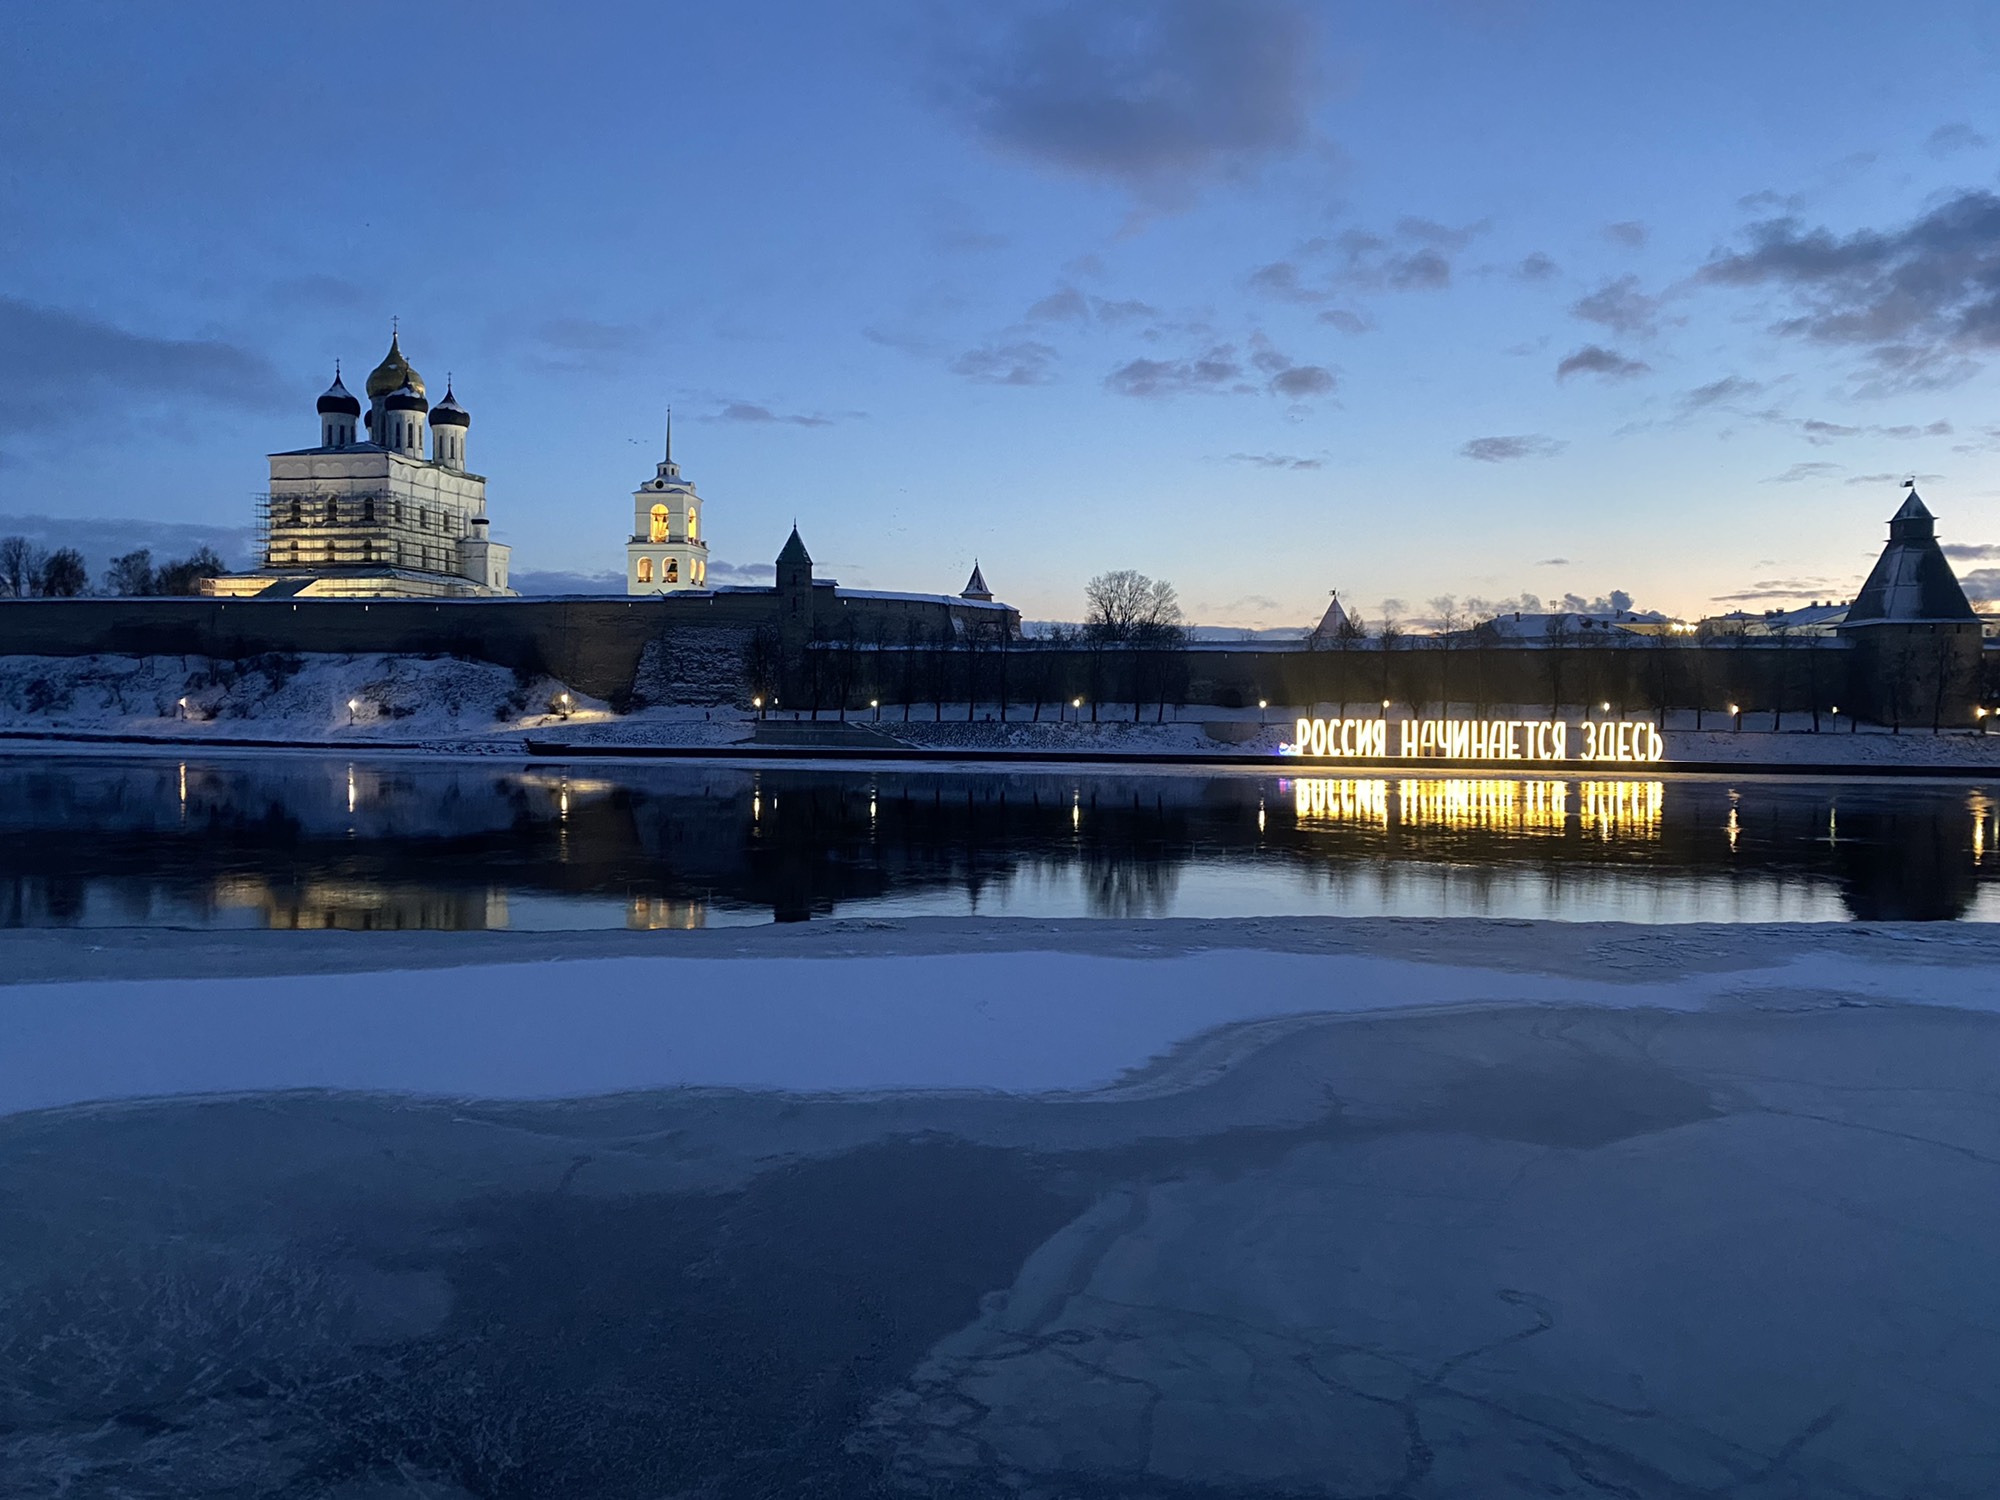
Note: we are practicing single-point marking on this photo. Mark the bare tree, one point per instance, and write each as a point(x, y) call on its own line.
point(19, 562)
point(1124, 606)
point(131, 576)
point(184, 575)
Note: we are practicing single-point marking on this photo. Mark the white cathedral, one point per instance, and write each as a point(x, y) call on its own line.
point(666, 553)
point(365, 514)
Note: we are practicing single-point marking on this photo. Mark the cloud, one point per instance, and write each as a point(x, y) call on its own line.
point(1717, 392)
point(1500, 450)
point(1275, 461)
point(551, 581)
point(1535, 267)
point(1594, 359)
point(1216, 370)
point(1981, 585)
point(1121, 310)
point(750, 411)
point(742, 572)
point(1301, 381)
point(1219, 370)
point(1620, 306)
point(1021, 363)
point(1896, 478)
point(586, 343)
point(1153, 96)
point(1065, 306)
point(1554, 562)
point(1971, 551)
point(61, 368)
point(1629, 233)
point(1952, 138)
point(1921, 300)
point(1416, 256)
point(1800, 473)
point(100, 539)
point(1783, 588)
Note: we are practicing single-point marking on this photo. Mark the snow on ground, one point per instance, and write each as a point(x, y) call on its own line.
point(327, 698)
point(1019, 1019)
point(449, 703)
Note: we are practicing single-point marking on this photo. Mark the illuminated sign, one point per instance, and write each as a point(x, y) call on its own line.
point(1476, 739)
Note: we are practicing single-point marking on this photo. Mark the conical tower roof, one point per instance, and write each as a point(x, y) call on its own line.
point(1330, 622)
point(975, 586)
point(794, 550)
point(1912, 581)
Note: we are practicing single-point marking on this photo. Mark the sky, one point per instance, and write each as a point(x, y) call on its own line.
point(1469, 298)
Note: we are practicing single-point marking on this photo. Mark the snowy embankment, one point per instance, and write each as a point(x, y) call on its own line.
point(858, 1007)
point(449, 703)
point(297, 698)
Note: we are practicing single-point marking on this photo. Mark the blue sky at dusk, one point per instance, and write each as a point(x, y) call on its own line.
point(1262, 297)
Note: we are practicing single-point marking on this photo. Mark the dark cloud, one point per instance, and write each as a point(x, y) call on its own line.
point(1981, 585)
point(750, 411)
point(1276, 461)
point(1125, 310)
point(1416, 256)
point(1554, 562)
point(1301, 381)
point(1156, 96)
point(1783, 588)
point(1921, 300)
point(540, 581)
point(1216, 370)
point(1950, 139)
point(1219, 370)
point(1896, 479)
point(1620, 306)
point(1536, 267)
point(61, 368)
point(1021, 363)
point(1065, 306)
point(1971, 551)
point(100, 539)
point(1594, 359)
point(1345, 321)
point(1820, 433)
point(1720, 392)
point(1500, 450)
point(1629, 233)
point(1800, 473)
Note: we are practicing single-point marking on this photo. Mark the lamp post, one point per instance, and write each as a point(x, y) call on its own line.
point(353, 708)
point(1077, 704)
point(184, 708)
point(876, 704)
point(758, 704)
point(563, 700)
point(1262, 704)
point(1979, 715)
point(1736, 713)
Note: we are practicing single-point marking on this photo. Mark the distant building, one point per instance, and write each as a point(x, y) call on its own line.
point(1815, 619)
point(1332, 629)
point(666, 553)
point(365, 514)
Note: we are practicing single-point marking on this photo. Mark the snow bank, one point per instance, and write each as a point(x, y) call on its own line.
point(1027, 1021)
point(313, 697)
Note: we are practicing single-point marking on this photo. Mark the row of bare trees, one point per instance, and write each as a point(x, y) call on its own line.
point(31, 572)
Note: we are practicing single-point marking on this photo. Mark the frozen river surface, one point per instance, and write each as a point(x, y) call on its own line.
point(992, 1209)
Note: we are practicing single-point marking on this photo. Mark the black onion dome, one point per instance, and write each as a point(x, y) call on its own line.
point(338, 400)
point(406, 398)
point(448, 413)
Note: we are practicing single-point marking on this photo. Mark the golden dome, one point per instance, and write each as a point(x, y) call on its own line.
point(393, 374)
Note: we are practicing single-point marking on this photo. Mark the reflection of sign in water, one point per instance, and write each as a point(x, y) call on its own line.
point(1476, 739)
point(1608, 809)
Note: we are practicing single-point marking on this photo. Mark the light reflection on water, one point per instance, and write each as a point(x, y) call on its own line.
point(301, 843)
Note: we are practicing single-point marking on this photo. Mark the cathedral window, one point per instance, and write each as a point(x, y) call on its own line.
point(645, 570)
point(659, 533)
point(332, 511)
point(297, 513)
point(673, 571)
point(694, 525)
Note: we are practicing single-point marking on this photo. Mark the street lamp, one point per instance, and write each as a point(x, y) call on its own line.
point(184, 708)
point(1077, 704)
point(563, 699)
point(353, 708)
point(758, 704)
point(1736, 713)
point(876, 704)
point(1262, 704)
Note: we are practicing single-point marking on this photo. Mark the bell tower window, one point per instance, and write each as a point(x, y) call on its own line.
point(659, 523)
point(673, 571)
point(645, 570)
point(694, 525)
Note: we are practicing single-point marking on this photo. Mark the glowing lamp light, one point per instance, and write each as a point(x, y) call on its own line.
point(1263, 703)
point(1734, 709)
point(1076, 703)
point(1606, 707)
point(353, 706)
point(1385, 703)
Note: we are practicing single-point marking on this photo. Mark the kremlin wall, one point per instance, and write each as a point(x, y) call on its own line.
point(371, 544)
